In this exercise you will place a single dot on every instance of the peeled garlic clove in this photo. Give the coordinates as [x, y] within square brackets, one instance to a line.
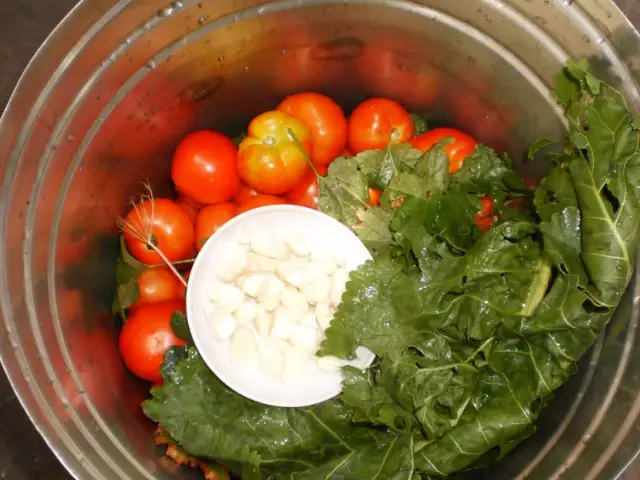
[263, 323]
[247, 312]
[316, 270]
[322, 257]
[296, 361]
[310, 320]
[271, 287]
[306, 337]
[227, 296]
[329, 364]
[291, 272]
[250, 283]
[340, 260]
[234, 261]
[270, 304]
[260, 263]
[324, 315]
[243, 236]
[296, 278]
[242, 348]
[222, 323]
[338, 285]
[294, 300]
[271, 359]
[297, 244]
[317, 290]
[268, 246]
[283, 324]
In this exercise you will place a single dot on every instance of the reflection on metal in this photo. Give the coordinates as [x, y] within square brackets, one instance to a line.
[101, 109]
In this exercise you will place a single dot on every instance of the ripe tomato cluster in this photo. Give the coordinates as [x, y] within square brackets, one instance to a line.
[216, 181]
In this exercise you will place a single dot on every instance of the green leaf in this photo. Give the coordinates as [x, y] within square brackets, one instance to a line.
[180, 327]
[608, 201]
[433, 168]
[562, 238]
[566, 88]
[392, 459]
[538, 145]
[376, 165]
[372, 227]
[377, 312]
[485, 172]
[343, 191]
[556, 192]
[438, 388]
[382, 166]
[372, 403]
[429, 176]
[420, 124]
[257, 441]
[563, 308]
[171, 359]
[449, 217]
[128, 269]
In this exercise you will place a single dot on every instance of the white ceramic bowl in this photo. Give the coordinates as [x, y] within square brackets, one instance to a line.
[316, 386]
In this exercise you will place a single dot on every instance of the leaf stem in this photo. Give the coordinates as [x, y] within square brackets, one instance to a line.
[304, 153]
[479, 349]
[143, 229]
[169, 264]
[179, 262]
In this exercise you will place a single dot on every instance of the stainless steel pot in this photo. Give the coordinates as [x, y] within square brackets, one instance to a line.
[109, 94]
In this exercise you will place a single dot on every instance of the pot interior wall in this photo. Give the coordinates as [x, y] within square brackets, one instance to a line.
[159, 73]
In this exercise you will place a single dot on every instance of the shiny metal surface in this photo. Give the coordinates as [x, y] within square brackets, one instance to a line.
[110, 93]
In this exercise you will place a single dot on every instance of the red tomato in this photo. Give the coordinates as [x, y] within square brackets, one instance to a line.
[189, 206]
[485, 219]
[305, 193]
[157, 285]
[460, 148]
[325, 120]
[166, 224]
[487, 206]
[484, 223]
[243, 194]
[260, 201]
[346, 153]
[376, 123]
[530, 182]
[269, 160]
[204, 167]
[211, 218]
[147, 336]
[374, 197]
